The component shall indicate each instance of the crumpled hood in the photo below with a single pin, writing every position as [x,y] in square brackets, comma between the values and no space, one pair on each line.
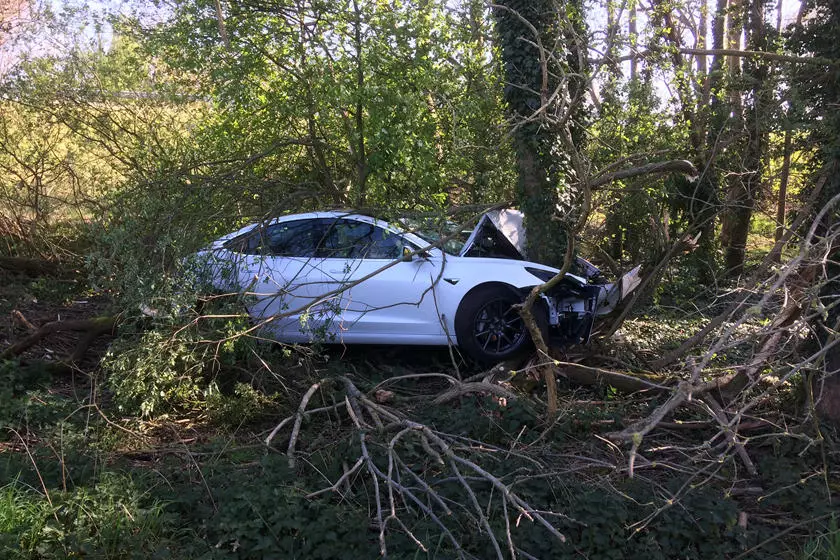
[511,223]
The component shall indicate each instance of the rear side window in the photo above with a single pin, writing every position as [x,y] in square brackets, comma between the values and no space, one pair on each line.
[298,238]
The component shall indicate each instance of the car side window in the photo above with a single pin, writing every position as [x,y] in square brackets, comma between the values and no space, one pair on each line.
[351,239]
[298,238]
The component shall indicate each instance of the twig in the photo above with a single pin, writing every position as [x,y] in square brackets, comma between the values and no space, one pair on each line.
[298,420]
[730,434]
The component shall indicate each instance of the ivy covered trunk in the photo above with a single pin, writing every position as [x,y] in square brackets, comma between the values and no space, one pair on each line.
[538,48]
[827,326]
[818,34]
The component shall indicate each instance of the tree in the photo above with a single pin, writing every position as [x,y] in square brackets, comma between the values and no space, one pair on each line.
[817,35]
[349,103]
[543,49]
[745,189]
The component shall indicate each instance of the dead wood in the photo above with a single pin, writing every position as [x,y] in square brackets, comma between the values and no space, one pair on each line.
[730,433]
[768,347]
[586,375]
[398,488]
[20,318]
[30,267]
[91,329]
[468,388]
[687,393]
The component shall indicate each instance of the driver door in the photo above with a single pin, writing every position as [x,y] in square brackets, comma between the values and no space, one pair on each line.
[389,306]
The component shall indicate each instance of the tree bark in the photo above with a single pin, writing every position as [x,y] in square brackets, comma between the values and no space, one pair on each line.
[817,34]
[827,388]
[632,36]
[702,31]
[781,202]
[743,193]
[527,30]
[362,169]
[91,328]
[735,29]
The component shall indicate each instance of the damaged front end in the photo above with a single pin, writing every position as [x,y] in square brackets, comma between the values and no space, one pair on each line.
[575,302]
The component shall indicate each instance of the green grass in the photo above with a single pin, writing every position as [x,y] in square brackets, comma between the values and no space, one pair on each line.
[111,519]
[824,545]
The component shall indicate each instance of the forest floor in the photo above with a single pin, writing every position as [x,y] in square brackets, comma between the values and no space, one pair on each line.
[83,475]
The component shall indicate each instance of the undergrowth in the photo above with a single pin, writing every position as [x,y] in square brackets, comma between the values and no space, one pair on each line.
[159,453]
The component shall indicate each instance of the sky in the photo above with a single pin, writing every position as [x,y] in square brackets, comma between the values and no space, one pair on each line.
[27,31]
[21,33]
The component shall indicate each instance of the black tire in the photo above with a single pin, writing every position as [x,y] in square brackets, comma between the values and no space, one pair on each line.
[489,330]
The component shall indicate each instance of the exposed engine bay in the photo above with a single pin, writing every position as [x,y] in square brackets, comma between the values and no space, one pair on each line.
[575,302]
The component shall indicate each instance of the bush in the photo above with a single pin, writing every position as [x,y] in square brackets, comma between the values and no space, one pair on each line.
[156,373]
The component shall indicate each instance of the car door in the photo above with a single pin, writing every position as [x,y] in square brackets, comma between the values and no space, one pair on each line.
[282,277]
[390,306]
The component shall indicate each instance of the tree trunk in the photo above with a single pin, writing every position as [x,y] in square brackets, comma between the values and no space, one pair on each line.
[818,37]
[783,185]
[702,66]
[532,76]
[781,203]
[746,187]
[632,37]
[738,216]
[361,155]
[734,31]
[827,388]
[779,7]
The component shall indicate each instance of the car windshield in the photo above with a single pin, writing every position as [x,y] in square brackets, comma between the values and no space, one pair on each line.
[433,230]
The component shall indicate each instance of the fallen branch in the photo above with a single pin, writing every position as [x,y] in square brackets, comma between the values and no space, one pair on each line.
[30,267]
[685,243]
[587,375]
[731,435]
[761,271]
[467,388]
[21,319]
[400,488]
[93,328]
[298,420]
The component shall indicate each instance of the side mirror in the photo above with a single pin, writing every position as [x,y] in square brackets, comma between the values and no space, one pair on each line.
[406,254]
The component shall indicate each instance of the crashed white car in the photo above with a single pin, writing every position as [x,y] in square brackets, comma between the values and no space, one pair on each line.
[344,277]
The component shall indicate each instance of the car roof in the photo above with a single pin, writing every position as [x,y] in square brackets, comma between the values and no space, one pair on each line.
[336,214]
[349,214]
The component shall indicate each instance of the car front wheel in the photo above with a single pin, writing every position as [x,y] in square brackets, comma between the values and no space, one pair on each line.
[489,327]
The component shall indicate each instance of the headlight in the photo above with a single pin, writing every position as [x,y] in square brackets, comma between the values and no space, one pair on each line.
[544,275]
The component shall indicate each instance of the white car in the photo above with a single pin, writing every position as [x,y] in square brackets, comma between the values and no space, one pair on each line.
[345,277]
